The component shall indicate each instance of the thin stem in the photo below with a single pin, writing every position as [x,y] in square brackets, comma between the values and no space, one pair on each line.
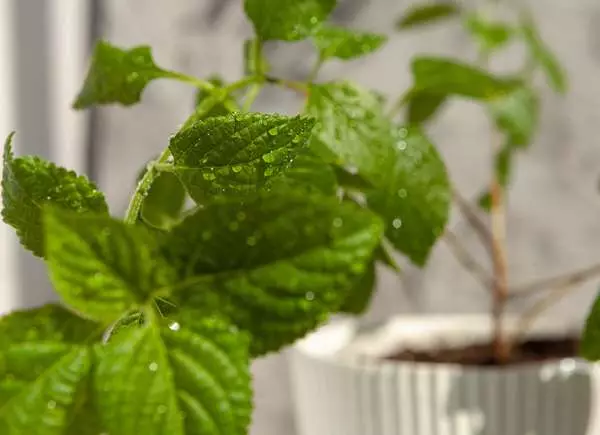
[199,83]
[478,225]
[467,260]
[499,259]
[299,87]
[251,96]
[571,279]
[143,187]
[240,84]
[398,105]
[314,72]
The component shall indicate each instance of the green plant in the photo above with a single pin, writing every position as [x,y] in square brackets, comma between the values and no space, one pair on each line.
[162,310]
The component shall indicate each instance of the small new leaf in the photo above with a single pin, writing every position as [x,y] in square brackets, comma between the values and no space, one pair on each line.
[287,20]
[237,154]
[44,369]
[540,52]
[118,76]
[296,257]
[517,115]
[489,35]
[442,76]
[590,341]
[163,206]
[102,267]
[190,377]
[427,13]
[217,102]
[345,44]
[29,183]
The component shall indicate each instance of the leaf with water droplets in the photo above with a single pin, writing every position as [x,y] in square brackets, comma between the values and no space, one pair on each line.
[344,43]
[44,369]
[287,20]
[427,13]
[361,293]
[118,76]
[102,267]
[308,172]
[238,153]
[409,184]
[289,244]
[192,379]
[28,183]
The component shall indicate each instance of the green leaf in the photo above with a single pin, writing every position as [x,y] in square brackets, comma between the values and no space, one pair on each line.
[163,206]
[427,13]
[217,102]
[540,52]
[590,340]
[441,76]
[344,43]
[102,267]
[28,183]
[386,257]
[422,106]
[310,173]
[349,179]
[287,20]
[189,376]
[416,199]
[237,154]
[408,178]
[296,256]
[118,76]
[44,368]
[517,114]
[255,62]
[361,294]
[489,35]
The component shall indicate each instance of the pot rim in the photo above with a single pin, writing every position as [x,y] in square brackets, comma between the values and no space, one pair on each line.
[330,343]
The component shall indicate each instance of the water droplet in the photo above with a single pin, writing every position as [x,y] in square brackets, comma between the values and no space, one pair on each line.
[209,176]
[132,77]
[402,193]
[206,235]
[397,223]
[234,226]
[314,20]
[274,131]
[204,160]
[51,404]
[296,139]
[251,241]
[174,326]
[268,172]
[237,169]
[403,132]
[338,222]
[170,159]
[269,158]
[309,296]
[153,366]
[241,216]
[161,409]
[402,145]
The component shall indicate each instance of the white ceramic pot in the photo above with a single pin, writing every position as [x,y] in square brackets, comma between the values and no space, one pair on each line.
[342,386]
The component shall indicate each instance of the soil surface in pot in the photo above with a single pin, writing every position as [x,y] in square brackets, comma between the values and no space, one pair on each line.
[482,354]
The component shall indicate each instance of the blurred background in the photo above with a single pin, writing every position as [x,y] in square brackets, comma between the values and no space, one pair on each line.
[554,208]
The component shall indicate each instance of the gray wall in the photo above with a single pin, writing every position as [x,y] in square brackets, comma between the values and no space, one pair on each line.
[554,207]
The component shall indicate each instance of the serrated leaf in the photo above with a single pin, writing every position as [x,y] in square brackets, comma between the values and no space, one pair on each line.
[29,183]
[442,76]
[540,52]
[237,154]
[296,256]
[517,115]
[408,178]
[415,201]
[427,13]
[422,106]
[344,43]
[44,368]
[489,35]
[361,293]
[287,20]
[590,340]
[310,173]
[118,76]
[165,201]
[102,267]
[190,377]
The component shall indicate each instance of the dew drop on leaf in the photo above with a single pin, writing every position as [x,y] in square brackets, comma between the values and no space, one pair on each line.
[234,226]
[251,241]
[274,131]
[296,139]
[131,78]
[241,216]
[174,326]
[153,366]
[397,223]
[309,296]
[209,176]
[403,132]
[268,172]
[269,158]
[402,145]
[402,193]
[51,404]
[206,235]
[338,222]
[237,169]
[161,409]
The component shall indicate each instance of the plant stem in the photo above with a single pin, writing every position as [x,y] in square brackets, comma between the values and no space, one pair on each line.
[474,220]
[199,83]
[299,87]
[467,260]
[143,187]
[314,72]
[499,260]
[251,96]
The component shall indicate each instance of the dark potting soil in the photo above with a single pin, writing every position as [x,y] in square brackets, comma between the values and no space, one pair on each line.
[482,354]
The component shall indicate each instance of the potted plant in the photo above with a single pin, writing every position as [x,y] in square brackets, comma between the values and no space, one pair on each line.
[162,310]
[492,374]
